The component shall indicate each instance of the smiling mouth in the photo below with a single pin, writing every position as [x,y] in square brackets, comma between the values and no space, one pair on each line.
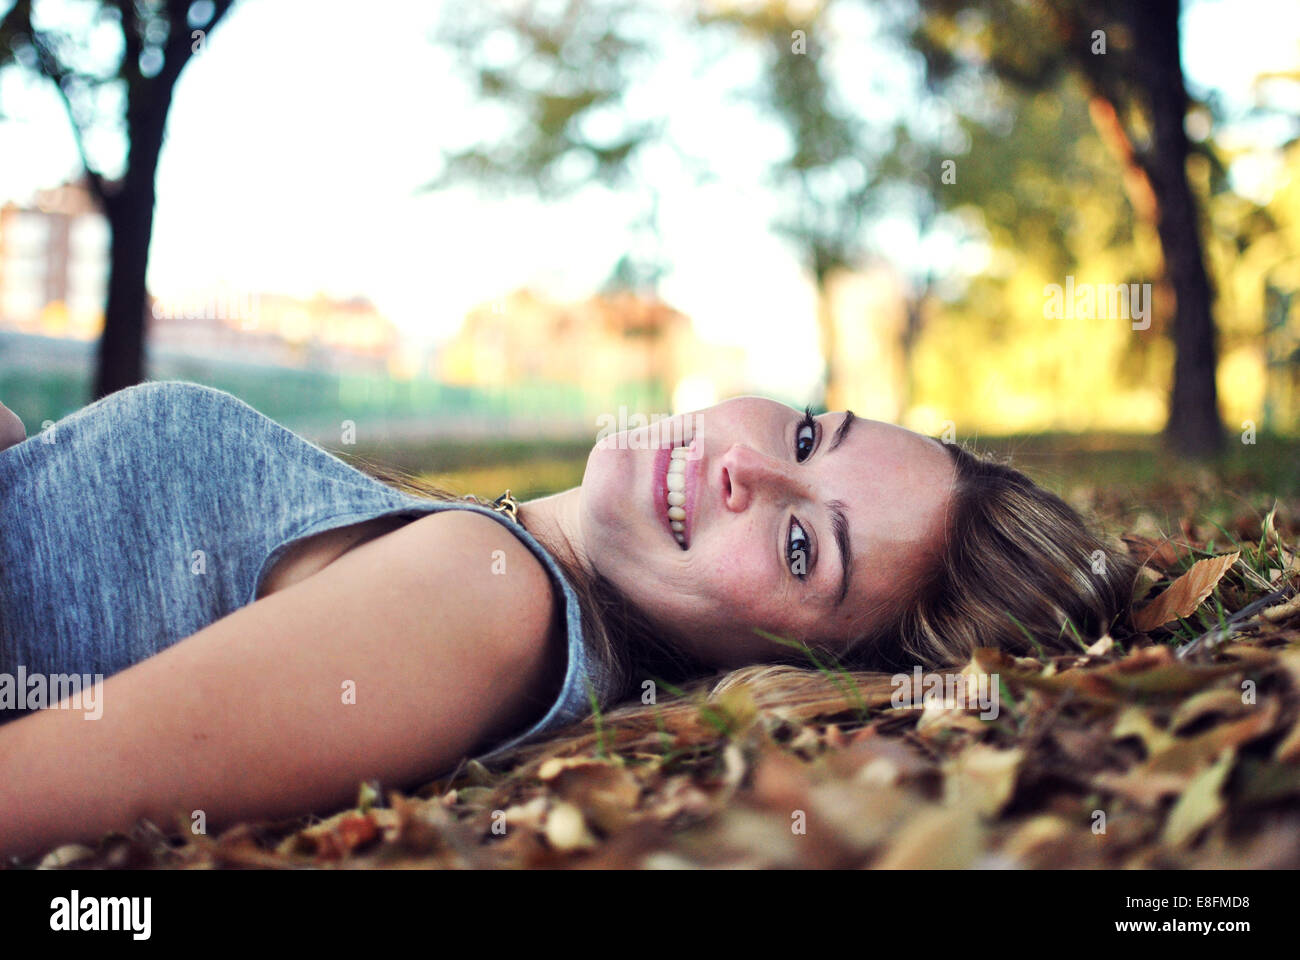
[671,495]
[675,494]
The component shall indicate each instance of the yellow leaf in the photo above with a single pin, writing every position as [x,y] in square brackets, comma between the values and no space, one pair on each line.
[937,838]
[1101,647]
[983,775]
[1134,721]
[566,830]
[1200,803]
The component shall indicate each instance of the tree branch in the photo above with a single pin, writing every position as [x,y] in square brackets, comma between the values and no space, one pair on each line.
[180,46]
[50,66]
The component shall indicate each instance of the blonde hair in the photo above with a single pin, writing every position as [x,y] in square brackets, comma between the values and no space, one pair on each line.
[1018,569]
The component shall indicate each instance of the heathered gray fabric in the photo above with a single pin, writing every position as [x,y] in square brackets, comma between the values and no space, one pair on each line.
[102,514]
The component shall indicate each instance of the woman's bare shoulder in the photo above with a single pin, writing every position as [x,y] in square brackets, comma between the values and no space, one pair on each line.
[486,558]
[12,430]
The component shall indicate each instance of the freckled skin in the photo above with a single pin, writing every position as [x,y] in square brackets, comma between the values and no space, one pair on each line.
[894,485]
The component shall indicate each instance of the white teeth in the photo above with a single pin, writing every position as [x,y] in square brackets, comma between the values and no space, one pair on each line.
[676,484]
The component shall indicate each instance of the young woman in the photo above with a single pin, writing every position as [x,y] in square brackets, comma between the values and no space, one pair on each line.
[337,628]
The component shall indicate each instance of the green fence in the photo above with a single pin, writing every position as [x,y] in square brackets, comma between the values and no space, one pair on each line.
[44,379]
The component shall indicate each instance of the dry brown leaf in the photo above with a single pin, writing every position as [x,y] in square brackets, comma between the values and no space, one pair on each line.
[1282,611]
[1227,703]
[1188,754]
[1143,787]
[606,793]
[1186,593]
[1288,748]
[1034,833]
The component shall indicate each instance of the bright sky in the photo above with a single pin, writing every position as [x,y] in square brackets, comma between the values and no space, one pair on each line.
[298,137]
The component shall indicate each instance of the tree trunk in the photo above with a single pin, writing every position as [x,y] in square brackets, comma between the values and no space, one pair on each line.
[120,359]
[1194,427]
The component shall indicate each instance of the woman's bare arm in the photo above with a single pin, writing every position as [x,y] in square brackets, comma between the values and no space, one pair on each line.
[249,719]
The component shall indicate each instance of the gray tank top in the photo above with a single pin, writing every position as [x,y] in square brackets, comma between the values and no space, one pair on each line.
[144,517]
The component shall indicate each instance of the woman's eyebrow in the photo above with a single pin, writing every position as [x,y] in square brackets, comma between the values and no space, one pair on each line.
[839,522]
[842,430]
[840,525]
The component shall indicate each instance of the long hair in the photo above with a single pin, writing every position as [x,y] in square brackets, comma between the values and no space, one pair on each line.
[1016,568]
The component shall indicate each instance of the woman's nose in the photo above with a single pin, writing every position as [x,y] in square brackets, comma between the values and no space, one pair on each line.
[746,474]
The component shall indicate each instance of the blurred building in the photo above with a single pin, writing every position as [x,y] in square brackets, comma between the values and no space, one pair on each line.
[319,333]
[54,264]
[54,257]
[610,345]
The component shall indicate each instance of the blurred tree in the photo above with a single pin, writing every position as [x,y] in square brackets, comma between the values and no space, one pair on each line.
[572,63]
[550,71]
[1128,55]
[158,38]
[556,75]
[825,177]
[1042,186]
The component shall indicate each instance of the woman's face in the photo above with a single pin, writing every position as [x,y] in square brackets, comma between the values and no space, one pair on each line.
[795,528]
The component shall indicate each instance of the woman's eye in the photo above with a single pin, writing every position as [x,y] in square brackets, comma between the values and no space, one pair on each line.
[797,550]
[804,440]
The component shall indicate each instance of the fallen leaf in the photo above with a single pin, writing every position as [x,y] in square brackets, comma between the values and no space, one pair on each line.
[1200,803]
[566,829]
[1186,593]
[984,776]
[1101,647]
[937,838]
[67,854]
[607,794]
[1288,748]
[1188,754]
[1282,611]
[1221,702]
[1135,721]
[1144,787]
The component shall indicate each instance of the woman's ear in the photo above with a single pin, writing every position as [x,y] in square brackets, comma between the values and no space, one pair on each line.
[11,428]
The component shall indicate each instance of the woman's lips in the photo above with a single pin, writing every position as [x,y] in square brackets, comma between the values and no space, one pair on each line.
[663,457]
